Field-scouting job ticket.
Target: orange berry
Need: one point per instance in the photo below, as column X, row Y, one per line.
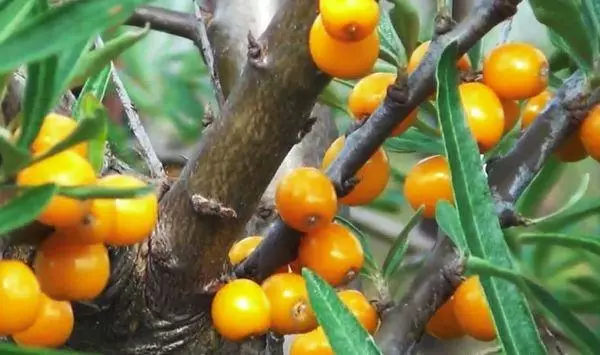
column 241, row 309
column 361, row 308
column 65, row 169
column 463, row 64
column 368, row 94
column 52, row 327
column 472, row 310
column 306, row 199
column 241, row 249
column 372, row 177
column 484, row 113
column 512, row 111
column 312, row 343
column 516, row 71
column 590, row 133
column 332, row 252
column 534, row 107
column 70, row 271
column 444, row 324
column 571, row 150
column 143, row 210
column 97, row 226
column 20, row 296
column 290, row 308
column 349, row 20
column 345, row 60
column 54, row 129
column 428, row 182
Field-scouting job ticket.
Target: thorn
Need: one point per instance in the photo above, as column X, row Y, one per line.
column 308, row 125
column 257, row 52
column 211, row 207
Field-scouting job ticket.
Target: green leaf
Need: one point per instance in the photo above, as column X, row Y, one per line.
column 390, row 42
column 396, row 254
column 96, row 60
column 574, row 214
column 39, row 98
column 331, row 96
column 60, row 27
column 572, row 36
column 88, row 105
column 25, row 207
column 475, row 54
column 591, row 17
column 370, row 264
column 476, row 210
column 540, row 186
column 588, row 243
column 13, row 157
column 67, row 63
column 95, row 85
column 344, row 333
column 12, row 13
column 91, row 192
column 11, row 349
column 447, row 219
column 405, row 19
column 416, row 141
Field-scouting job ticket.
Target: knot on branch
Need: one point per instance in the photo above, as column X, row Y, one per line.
column 306, row 128
column 398, row 93
column 211, row 207
column 506, row 8
column 471, row 76
column 265, row 209
column 578, row 108
column 209, row 116
column 356, row 124
column 257, row 52
column 344, row 186
column 443, row 23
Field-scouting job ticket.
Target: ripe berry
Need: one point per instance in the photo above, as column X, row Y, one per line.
column 534, row 107
column 349, row 20
column 516, row 71
column 241, row 309
column 306, row 199
column 512, row 111
column 361, row 308
column 590, row 133
column 463, row 64
column 484, row 113
column 312, row 343
column 52, row 327
column 345, row 60
column 428, row 182
column 444, row 324
column 368, row 94
column 290, row 308
column 241, row 249
column 54, row 129
column 65, row 169
column 472, row 310
column 372, row 177
column 332, row 252
column 70, row 271
column 20, row 297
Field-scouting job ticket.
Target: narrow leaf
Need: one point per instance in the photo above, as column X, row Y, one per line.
column 345, row 334
column 91, row 192
column 574, row 200
column 88, row 105
column 67, row 63
column 25, row 207
column 573, row 36
column 588, row 243
column 12, row 13
column 12, row 349
column 96, row 86
column 447, row 219
column 405, row 19
column 13, row 157
column 414, row 140
column 387, row 36
column 475, row 208
column 573, row 215
column 591, row 16
column 370, row 263
column 396, row 254
column 61, row 26
column 96, row 60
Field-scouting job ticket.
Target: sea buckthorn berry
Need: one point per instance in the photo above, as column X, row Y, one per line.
column 512, row 111
column 428, row 182
column 64, row 169
column 332, row 252
column 589, row 133
column 241, row 249
column 472, row 310
column 97, row 226
column 306, row 199
column 463, row 64
column 534, row 107
column 367, row 95
column 349, row 20
column 571, row 150
column 516, row 71
column 54, row 129
column 241, row 309
column 143, row 210
column 372, row 177
column 361, row 308
column 290, row 307
column 70, row 271
column 312, row 343
column 52, row 327
column 484, row 113
column 444, row 324
column 345, row 60
column 20, row 296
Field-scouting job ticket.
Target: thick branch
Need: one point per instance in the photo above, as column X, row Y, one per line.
column 238, row 156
